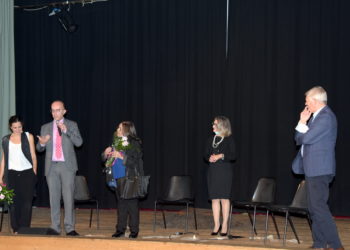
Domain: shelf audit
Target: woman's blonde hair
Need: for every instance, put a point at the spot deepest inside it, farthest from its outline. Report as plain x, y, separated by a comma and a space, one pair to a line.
224, 125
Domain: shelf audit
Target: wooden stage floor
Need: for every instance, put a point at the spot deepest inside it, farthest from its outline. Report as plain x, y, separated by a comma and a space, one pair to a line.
93, 238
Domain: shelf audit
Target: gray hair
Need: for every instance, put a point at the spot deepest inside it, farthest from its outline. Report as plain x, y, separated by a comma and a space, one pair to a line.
224, 125
317, 93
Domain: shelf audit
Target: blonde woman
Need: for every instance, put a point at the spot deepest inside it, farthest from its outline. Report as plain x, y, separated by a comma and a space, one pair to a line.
220, 153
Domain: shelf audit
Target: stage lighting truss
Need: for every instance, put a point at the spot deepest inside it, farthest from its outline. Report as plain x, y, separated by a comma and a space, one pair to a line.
61, 10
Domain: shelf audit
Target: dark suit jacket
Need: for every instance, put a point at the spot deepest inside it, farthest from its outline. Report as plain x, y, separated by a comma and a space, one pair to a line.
319, 146
69, 139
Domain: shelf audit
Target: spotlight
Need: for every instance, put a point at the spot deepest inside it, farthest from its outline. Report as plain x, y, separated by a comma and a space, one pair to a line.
67, 21
65, 18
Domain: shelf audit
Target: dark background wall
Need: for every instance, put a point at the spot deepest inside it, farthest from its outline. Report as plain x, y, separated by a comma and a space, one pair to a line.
162, 64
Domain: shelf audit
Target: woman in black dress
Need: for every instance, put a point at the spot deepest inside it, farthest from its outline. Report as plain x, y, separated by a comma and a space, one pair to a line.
220, 153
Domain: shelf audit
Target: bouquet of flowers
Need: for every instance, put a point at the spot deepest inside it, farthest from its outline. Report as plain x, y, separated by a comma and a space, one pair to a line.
6, 195
119, 144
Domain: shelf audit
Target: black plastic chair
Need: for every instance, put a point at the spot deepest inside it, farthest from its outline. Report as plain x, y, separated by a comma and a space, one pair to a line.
82, 195
5, 209
264, 195
298, 207
179, 192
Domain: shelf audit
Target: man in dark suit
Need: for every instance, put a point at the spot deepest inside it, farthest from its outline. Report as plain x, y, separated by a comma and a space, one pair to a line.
316, 133
59, 138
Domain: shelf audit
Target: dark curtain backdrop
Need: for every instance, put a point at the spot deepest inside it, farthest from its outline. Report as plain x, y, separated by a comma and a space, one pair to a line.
162, 64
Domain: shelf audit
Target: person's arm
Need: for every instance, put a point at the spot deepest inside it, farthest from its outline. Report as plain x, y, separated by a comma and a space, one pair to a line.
315, 133
230, 152
71, 130
32, 153
207, 150
2, 167
132, 156
42, 140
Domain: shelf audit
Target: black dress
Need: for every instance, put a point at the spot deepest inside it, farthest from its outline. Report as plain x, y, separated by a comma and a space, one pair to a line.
220, 173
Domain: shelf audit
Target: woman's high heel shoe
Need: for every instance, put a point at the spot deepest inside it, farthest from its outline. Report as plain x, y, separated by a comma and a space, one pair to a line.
216, 233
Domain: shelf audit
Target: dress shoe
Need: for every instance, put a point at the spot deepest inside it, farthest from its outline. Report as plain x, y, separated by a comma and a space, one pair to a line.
118, 234
133, 235
51, 231
216, 233
223, 234
72, 233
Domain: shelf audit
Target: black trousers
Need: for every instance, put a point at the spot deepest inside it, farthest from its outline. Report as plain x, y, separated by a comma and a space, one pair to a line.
128, 209
22, 182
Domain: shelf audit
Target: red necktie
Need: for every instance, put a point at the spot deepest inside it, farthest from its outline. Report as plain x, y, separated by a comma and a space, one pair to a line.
58, 148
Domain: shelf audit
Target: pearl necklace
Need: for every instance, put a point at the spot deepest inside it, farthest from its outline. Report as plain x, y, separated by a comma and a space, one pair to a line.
215, 145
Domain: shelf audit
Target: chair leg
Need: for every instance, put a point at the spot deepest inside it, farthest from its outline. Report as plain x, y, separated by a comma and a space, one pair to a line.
229, 221
266, 225
253, 226
155, 216
309, 221
285, 228
251, 221
195, 217
91, 211
2, 216
164, 221
98, 215
293, 228
276, 227
186, 227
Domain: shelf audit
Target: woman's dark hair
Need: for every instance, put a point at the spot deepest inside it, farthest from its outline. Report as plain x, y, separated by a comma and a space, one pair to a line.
14, 119
129, 130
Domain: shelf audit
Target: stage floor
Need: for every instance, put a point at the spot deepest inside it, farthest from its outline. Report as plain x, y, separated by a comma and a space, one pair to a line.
164, 238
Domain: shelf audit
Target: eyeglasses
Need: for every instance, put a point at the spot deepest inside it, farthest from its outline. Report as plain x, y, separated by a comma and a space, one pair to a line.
214, 124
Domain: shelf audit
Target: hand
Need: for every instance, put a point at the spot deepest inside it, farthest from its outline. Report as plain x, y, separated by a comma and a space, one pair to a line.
215, 158
117, 154
305, 115
108, 151
62, 126
43, 139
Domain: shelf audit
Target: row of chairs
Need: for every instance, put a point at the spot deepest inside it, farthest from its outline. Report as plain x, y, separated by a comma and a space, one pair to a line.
180, 192
264, 199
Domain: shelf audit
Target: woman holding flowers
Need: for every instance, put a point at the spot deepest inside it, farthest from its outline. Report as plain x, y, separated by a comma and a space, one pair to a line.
125, 158
18, 171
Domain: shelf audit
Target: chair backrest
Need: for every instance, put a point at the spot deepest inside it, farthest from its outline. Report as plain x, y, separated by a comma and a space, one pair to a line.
81, 191
300, 197
180, 187
265, 190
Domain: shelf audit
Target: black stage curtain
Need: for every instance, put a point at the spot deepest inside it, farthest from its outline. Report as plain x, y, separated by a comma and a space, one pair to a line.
163, 65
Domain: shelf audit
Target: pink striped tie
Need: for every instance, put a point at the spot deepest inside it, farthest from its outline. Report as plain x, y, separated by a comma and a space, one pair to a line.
58, 146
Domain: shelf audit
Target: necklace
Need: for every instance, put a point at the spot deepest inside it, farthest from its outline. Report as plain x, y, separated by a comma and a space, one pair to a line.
216, 144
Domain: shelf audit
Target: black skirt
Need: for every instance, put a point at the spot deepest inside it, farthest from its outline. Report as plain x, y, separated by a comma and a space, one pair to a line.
220, 180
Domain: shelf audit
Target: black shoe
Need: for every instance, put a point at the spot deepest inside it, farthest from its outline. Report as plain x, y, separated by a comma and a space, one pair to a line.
72, 233
118, 234
133, 235
51, 231
223, 234
216, 233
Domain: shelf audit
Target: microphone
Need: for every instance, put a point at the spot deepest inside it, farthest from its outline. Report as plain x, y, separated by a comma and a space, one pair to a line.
59, 129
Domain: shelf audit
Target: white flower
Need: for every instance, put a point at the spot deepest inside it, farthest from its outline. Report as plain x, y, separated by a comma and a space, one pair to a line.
2, 196
124, 138
125, 143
